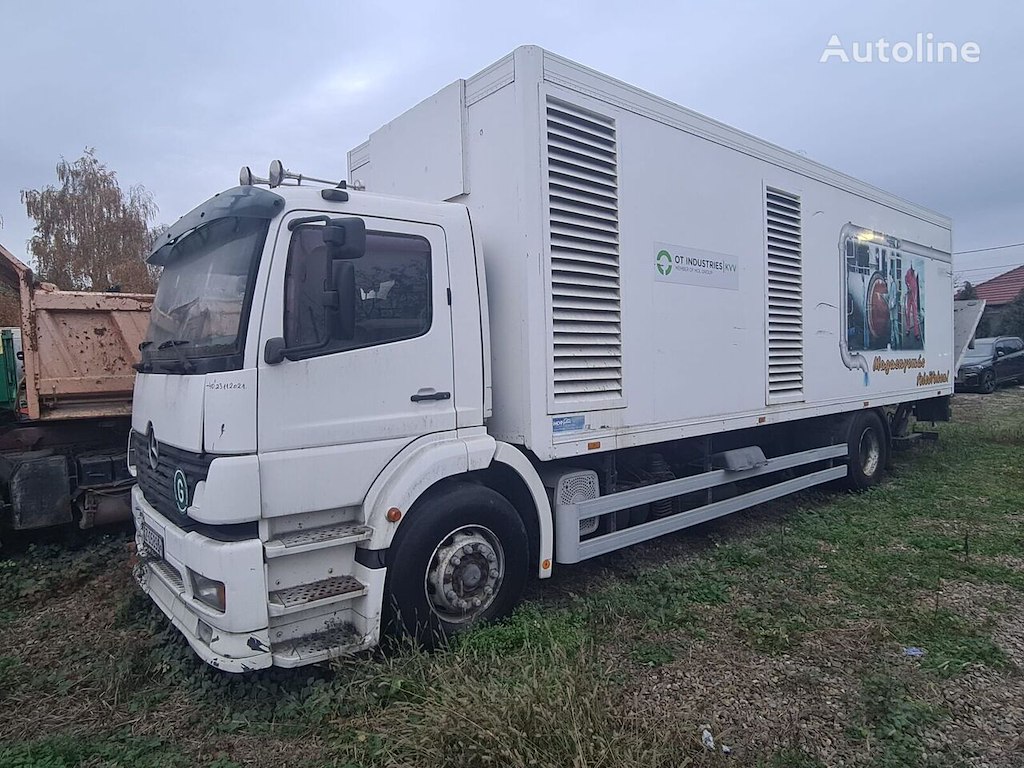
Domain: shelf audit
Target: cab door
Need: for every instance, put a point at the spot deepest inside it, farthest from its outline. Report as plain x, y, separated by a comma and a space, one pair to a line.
1014, 358
392, 380
1003, 362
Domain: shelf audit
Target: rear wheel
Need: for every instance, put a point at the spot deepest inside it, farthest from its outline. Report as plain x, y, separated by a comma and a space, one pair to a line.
988, 382
868, 451
459, 560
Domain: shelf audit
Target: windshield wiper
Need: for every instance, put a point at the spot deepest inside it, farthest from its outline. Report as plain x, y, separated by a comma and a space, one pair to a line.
171, 343
187, 366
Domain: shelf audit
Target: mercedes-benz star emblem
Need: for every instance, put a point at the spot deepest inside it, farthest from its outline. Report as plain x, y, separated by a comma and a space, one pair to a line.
153, 449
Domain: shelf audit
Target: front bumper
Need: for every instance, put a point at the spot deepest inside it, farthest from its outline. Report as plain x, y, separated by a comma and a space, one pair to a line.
967, 379
235, 640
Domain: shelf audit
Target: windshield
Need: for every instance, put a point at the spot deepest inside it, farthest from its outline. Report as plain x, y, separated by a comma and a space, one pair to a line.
982, 351
202, 297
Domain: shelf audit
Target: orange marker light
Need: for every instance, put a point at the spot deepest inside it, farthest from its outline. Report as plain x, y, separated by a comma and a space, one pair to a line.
546, 565
594, 445
393, 515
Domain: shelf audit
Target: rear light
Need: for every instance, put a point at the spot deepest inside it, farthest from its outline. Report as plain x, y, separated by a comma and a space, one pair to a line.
207, 591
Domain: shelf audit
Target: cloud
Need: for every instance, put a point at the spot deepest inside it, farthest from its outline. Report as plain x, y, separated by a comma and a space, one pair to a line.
177, 98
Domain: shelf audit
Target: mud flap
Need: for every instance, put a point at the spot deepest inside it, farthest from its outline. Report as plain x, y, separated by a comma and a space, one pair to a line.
933, 409
36, 482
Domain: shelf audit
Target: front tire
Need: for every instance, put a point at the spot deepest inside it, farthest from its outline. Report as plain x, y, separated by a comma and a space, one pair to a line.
988, 382
868, 451
459, 560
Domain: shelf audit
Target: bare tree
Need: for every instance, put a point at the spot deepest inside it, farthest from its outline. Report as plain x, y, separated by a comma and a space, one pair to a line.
90, 234
967, 292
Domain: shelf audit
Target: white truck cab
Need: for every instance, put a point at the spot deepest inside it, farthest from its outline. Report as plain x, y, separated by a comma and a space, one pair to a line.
278, 442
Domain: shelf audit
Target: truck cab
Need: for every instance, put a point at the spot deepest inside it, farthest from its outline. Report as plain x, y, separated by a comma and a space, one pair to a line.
315, 360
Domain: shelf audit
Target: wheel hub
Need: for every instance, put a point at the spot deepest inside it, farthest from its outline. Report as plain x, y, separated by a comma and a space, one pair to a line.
465, 574
870, 453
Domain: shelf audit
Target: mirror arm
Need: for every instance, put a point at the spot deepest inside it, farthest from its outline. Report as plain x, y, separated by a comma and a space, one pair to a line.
276, 352
307, 220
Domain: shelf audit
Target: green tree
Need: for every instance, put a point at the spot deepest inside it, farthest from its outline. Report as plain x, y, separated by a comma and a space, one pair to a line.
1012, 322
90, 234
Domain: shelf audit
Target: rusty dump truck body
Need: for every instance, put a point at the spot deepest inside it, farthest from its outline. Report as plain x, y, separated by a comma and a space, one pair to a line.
62, 444
78, 347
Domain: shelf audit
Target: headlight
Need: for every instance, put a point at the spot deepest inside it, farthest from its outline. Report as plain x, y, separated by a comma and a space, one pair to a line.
131, 456
207, 591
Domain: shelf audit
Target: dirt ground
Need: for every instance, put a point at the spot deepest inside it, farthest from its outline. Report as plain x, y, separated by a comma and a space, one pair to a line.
977, 408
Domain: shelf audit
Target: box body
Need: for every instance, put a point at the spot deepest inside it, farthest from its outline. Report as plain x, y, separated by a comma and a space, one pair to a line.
653, 274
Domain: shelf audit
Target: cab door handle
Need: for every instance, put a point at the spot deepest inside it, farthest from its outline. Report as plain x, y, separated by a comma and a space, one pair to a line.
418, 398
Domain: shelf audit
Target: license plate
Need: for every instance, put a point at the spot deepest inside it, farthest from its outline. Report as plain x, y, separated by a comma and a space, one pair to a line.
154, 541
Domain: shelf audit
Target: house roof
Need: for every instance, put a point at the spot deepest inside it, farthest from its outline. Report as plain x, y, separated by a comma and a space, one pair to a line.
1003, 289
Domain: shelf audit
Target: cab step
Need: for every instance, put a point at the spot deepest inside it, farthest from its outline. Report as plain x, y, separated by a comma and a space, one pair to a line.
314, 595
169, 573
320, 646
310, 539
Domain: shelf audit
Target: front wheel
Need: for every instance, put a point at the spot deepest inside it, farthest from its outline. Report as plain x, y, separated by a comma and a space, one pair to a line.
868, 451
460, 559
988, 382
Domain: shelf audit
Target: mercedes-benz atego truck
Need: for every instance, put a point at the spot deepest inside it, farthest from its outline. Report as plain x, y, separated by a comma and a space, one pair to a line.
549, 316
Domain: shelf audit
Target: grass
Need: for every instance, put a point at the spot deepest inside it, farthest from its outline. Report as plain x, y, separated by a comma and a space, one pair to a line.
114, 749
781, 628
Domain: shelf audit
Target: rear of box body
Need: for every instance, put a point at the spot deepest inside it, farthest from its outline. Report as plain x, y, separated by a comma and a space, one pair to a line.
654, 275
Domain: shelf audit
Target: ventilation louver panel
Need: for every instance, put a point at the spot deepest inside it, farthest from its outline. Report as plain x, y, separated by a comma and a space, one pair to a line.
583, 210
785, 297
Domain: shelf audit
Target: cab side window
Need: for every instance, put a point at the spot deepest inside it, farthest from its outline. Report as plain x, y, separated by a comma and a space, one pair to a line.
1013, 346
392, 297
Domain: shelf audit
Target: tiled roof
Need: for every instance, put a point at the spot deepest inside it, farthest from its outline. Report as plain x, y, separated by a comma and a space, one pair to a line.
1003, 289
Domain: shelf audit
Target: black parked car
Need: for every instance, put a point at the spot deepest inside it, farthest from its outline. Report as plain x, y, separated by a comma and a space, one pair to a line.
991, 362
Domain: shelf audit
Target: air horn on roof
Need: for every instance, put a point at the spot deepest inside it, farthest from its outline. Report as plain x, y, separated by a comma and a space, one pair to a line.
247, 178
278, 173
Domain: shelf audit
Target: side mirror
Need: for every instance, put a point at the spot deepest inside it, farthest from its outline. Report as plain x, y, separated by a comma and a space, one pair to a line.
1000, 352
275, 351
339, 316
339, 300
346, 238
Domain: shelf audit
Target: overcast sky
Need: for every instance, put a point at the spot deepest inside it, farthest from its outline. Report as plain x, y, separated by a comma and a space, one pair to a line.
177, 96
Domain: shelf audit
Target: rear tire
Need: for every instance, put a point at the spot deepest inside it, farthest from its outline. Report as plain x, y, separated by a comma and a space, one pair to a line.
988, 382
868, 451
458, 560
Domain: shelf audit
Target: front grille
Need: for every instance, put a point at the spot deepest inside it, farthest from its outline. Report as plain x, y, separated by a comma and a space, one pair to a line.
158, 484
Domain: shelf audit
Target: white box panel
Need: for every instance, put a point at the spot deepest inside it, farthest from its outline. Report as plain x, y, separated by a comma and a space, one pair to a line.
606, 183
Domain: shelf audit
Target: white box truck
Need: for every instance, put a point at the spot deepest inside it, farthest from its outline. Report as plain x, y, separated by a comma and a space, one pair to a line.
565, 317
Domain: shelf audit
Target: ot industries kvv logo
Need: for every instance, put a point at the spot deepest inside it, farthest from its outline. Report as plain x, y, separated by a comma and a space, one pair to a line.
664, 262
